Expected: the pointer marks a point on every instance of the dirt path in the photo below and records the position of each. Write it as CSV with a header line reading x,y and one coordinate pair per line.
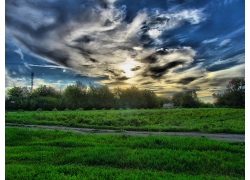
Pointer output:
x,y
222,137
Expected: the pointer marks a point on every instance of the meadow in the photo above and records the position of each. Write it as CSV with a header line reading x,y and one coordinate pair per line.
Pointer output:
x,y
209,120
41,154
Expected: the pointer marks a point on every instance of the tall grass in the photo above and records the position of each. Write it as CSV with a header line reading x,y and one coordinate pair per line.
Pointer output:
x,y
40,154
214,120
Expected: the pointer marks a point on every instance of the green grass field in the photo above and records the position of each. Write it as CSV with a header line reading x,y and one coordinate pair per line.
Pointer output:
x,y
213,120
41,154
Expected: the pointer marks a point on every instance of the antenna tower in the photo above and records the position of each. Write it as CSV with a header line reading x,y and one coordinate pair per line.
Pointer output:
x,y
32,80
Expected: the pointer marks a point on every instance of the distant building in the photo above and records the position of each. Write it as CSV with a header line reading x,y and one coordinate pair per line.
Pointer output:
x,y
168,105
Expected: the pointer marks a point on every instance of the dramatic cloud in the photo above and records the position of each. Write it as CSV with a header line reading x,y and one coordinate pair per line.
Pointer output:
x,y
161,45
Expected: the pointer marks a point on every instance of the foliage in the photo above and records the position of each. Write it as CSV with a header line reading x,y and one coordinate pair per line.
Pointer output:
x,y
45,91
234,96
99,97
18,98
186,99
216,120
47,103
39,154
74,96
80,96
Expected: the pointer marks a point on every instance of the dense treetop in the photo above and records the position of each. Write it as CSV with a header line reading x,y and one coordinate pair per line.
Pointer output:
x,y
81,96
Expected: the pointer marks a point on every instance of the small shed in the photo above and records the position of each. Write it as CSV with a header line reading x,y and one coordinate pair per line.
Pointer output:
x,y
168,105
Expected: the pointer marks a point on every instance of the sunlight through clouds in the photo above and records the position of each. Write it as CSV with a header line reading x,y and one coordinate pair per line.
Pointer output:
x,y
166,46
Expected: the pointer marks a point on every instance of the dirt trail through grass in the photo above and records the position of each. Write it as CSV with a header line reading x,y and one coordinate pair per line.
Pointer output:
x,y
222,137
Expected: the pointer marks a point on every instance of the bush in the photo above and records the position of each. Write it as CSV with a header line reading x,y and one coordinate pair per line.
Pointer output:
x,y
39,109
54,109
80,109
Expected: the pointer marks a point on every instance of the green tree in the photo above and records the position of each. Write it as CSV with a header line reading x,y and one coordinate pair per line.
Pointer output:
x,y
186,99
17,98
47,103
45,91
46,98
105,97
132,98
234,96
74,96
151,100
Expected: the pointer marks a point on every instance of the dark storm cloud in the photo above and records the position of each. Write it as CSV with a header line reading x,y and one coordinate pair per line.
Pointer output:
x,y
80,76
150,59
146,83
169,81
84,39
166,67
135,68
88,66
187,80
93,60
113,72
117,75
146,40
57,55
123,78
158,71
161,53
84,52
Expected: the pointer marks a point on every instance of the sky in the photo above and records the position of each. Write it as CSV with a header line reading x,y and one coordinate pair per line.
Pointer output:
x,y
167,46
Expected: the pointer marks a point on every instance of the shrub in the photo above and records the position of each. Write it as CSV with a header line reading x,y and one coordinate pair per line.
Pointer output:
x,y
54,109
39,109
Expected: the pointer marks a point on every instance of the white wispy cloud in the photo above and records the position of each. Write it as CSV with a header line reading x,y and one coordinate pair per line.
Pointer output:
x,y
224,42
45,66
19,51
194,16
209,40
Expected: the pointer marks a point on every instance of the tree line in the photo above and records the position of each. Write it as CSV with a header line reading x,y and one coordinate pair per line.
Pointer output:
x,y
80,96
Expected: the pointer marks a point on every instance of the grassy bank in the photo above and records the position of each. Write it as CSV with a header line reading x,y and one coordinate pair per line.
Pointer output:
x,y
40,154
214,120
